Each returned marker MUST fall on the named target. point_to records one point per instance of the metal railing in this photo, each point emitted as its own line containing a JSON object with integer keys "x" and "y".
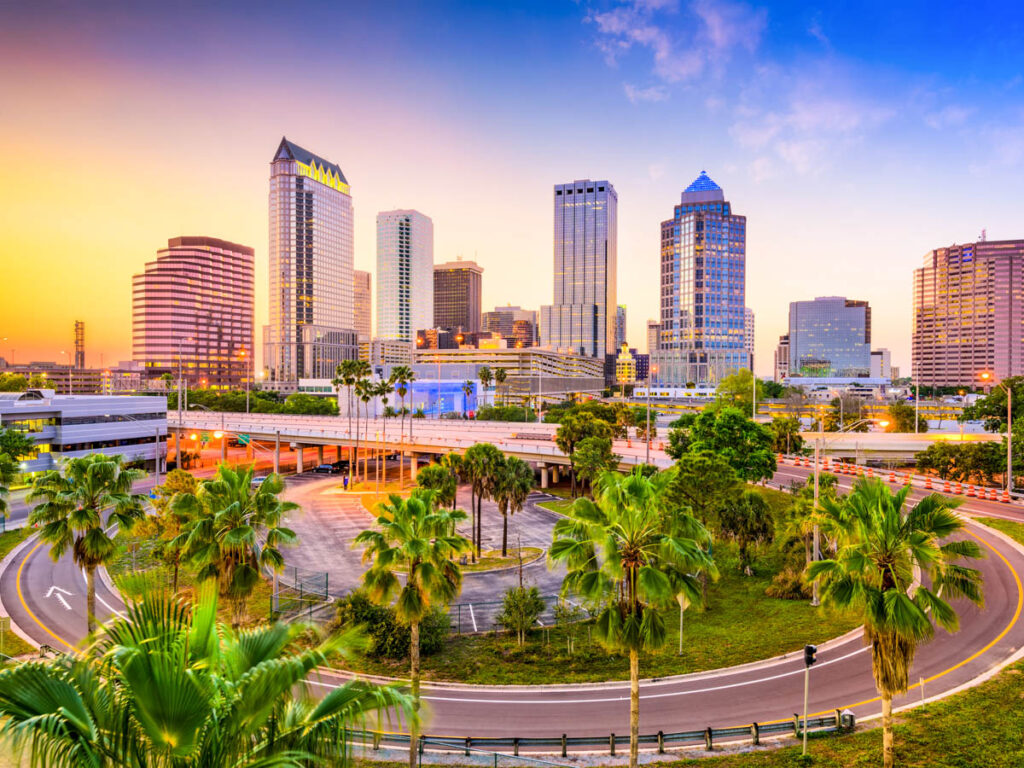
{"x": 836, "y": 721}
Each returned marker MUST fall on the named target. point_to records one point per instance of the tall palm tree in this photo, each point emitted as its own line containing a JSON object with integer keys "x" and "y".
{"x": 403, "y": 376}
{"x": 481, "y": 464}
{"x": 365, "y": 392}
{"x": 454, "y": 464}
{"x": 439, "y": 480}
{"x": 500, "y": 374}
{"x": 383, "y": 390}
{"x": 74, "y": 500}
{"x": 361, "y": 372}
{"x": 8, "y": 471}
{"x": 485, "y": 376}
{"x": 631, "y": 555}
{"x": 467, "y": 390}
{"x": 513, "y": 483}
{"x": 235, "y": 531}
{"x": 166, "y": 685}
{"x": 885, "y": 556}
{"x": 418, "y": 537}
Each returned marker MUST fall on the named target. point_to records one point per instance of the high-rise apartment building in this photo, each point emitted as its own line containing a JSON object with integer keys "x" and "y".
{"x": 581, "y": 319}
{"x": 748, "y": 333}
{"x": 362, "y": 300}
{"x": 703, "y": 288}
{"x": 312, "y": 315}
{"x": 620, "y": 326}
{"x": 829, "y": 337}
{"x": 514, "y": 323}
{"x": 405, "y": 266}
{"x": 80, "y": 345}
{"x": 968, "y": 313}
{"x": 782, "y": 358}
{"x": 192, "y": 313}
{"x": 457, "y": 296}
{"x": 653, "y": 332}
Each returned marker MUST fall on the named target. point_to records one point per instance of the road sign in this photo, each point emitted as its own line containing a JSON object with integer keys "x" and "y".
{"x": 205, "y": 438}
{"x": 244, "y": 439}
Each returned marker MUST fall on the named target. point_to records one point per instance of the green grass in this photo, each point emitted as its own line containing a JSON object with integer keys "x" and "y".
{"x": 741, "y": 624}
{"x": 491, "y": 559}
{"x": 1014, "y": 530}
{"x": 13, "y": 645}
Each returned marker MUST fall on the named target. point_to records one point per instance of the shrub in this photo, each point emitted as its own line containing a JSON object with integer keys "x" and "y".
{"x": 388, "y": 638}
{"x": 520, "y": 610}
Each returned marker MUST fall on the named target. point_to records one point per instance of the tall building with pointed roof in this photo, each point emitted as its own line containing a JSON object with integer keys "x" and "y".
{"x": 312, "y": 315}
{"x": 703, "y": 289}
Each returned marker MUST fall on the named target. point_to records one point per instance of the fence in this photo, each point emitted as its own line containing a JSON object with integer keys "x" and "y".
{"x": 482, "y": 616}
{"x": 299, "y": 592}
{"x": 836, "y": 721}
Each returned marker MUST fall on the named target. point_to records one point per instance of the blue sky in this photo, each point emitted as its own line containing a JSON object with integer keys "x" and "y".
{"x": 854, "y": 137}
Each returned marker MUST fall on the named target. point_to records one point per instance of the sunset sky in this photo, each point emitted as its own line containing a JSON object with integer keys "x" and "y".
{"x": 854, "y": 137}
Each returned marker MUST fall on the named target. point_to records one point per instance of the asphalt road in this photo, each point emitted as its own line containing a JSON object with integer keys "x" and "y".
{"x": 768, "y": 691}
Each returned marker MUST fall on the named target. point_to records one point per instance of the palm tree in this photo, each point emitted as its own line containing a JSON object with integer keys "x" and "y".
{"x": 631, "y": 555}
{"x": 885, "y": 556}
{"x": 467, "y": 390}
{"x": 365, "y": 392}
{"x": 75, "y": 499}
{"x": 480, "y": 466}
{"x": 402, "y": 376}
{"x": 500, "y": 374}
{"x": 439, "y": 480}
{"x": 513, "y": 483}
{"x": 166, "y": 685}
{"x": 454, "y": 464}
{"x": 228, "y": 519}
{"x": 8, "y": 471}
{"x": 359, "y": 372}
{"x": 485, "y": 376}
{"x": 383, "y": 390}
{"x": 418, "y": 537}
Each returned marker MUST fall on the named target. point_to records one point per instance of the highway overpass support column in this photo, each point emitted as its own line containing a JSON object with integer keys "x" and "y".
{"x": 298, "y": 459}
{"x": 543, "y": 475}
{"x": 414, "y": 464}
{"x": 319, "y": 454}
{"x": 554, "y": 473}
{"x": 277, "y": 452}
{"x": 224, "y": 446}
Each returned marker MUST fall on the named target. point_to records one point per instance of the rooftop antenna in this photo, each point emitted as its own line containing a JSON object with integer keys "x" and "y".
{"x": 983, "y": 237}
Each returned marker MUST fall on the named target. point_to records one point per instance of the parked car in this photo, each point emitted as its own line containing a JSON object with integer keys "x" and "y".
{"x": 257, "y": 480}
{"x": 326, "y": 469}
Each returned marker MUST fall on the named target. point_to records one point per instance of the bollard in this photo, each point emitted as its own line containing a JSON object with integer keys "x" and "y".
{"x": 611, "y": 745}
{"x": 707, "y": 739}
{"x": 796, "y": 724}
{"x": 423, "y": 741}
{"x": 469, "y": 744}
{"x": 376, "y": 740}
{"x": 661, "y": 742}
{"x": 755, "y": 734}
{"x": 515, "y": 746}
{"x": 563, "y": 745}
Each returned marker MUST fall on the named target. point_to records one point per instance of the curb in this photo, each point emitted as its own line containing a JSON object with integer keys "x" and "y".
{"x": 7, "y": 561}
{"x": 505, "y": 568}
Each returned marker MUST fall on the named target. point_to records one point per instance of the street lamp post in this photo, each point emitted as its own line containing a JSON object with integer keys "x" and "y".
{"x": 985, "y": 376}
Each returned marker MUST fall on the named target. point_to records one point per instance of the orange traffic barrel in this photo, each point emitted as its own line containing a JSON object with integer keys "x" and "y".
{"x": 892, "y": 477}
{"x": 1006, "y": 497}
{"x": 945, "y": 487}
{"x": 970, "y": 491}
{"x": 928, "y": 482}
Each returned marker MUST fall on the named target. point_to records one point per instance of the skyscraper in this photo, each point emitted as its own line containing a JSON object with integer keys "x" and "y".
{"x": 581, "y": 318}
{"x": 362, "y": 298}
{"x": 192, "y": 312}
{"x": 405, "y": 280}
{"x": 312, "y": 316}
{"x": 830, "y": 337}
{"x": 782, "y": 358}
{"x": 80, "y": 345}
{"x": 457, "y": 296}
{"x": 620, "y": 326}
{"x": 703, "y": 288}
{"x": 653, "y": 332}
{"x": 968, "y": 313}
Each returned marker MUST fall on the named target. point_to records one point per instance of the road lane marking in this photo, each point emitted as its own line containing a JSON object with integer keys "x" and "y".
{"x": 108, "y": 606}
{"x": 472, "y": 616}
{"x": 21, "y": 599}
{"x": 56, "y": 591}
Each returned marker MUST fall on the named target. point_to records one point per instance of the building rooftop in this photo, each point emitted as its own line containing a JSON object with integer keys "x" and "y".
{"x": 703, "y": 183}
{"x": 291, "y": 151}
{"x": 702, "y": 190}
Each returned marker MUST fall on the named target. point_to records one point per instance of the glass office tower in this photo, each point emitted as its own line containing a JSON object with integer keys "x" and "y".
{"x": 405, "y": 274}
{"x": 581, "y": 319}
{"x": 830, "y": 336}
{"x": 312, "y": 318}
{"x": 703, "y": 289}
{"x": 458, "y": 289}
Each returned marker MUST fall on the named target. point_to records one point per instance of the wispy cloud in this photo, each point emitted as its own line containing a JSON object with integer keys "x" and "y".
{"x": 651, "y": 93}
{"x": 951, "y": 116}
{"x": 682, "y": 40}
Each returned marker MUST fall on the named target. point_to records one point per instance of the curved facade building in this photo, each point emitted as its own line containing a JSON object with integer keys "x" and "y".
{"x": 192, "y": 313}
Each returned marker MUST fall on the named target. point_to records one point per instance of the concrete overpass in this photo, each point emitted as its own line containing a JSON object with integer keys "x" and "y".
{"x": 897, "y": 446}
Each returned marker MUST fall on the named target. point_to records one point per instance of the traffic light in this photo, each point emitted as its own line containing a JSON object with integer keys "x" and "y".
{"x": 810, "y": 654}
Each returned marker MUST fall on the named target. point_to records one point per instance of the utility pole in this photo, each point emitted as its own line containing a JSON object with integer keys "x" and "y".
{"x": 810, "y": 656}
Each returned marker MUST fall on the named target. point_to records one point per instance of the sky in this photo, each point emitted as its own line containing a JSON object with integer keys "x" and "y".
{"x": 854, "y": 137}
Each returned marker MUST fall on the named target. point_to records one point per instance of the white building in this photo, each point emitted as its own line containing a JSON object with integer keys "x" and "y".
{"x": 67, "y": 426}
{"x": 748, "y": 333}
{"x": 405, "y": 274}
{"x": 312, "y": 316}
{"x": 881, "y": 364}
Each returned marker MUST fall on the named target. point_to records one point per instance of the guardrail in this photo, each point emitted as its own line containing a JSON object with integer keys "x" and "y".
{"x": 837, "y": 721}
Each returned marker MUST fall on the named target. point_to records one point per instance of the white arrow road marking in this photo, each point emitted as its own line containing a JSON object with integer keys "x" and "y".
{"x": 56, "y": 591}
{"x": 108, "y": 606}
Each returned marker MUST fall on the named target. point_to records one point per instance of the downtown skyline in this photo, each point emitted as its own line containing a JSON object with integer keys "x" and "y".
{"x": 850, "y": 165}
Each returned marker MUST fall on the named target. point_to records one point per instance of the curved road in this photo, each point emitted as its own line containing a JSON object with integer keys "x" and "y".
{"x": 764, "y": 692}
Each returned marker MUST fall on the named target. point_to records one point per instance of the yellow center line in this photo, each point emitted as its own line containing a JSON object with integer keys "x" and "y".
{"x": 28, "y": 610}
{"x": 969, "y": 659}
